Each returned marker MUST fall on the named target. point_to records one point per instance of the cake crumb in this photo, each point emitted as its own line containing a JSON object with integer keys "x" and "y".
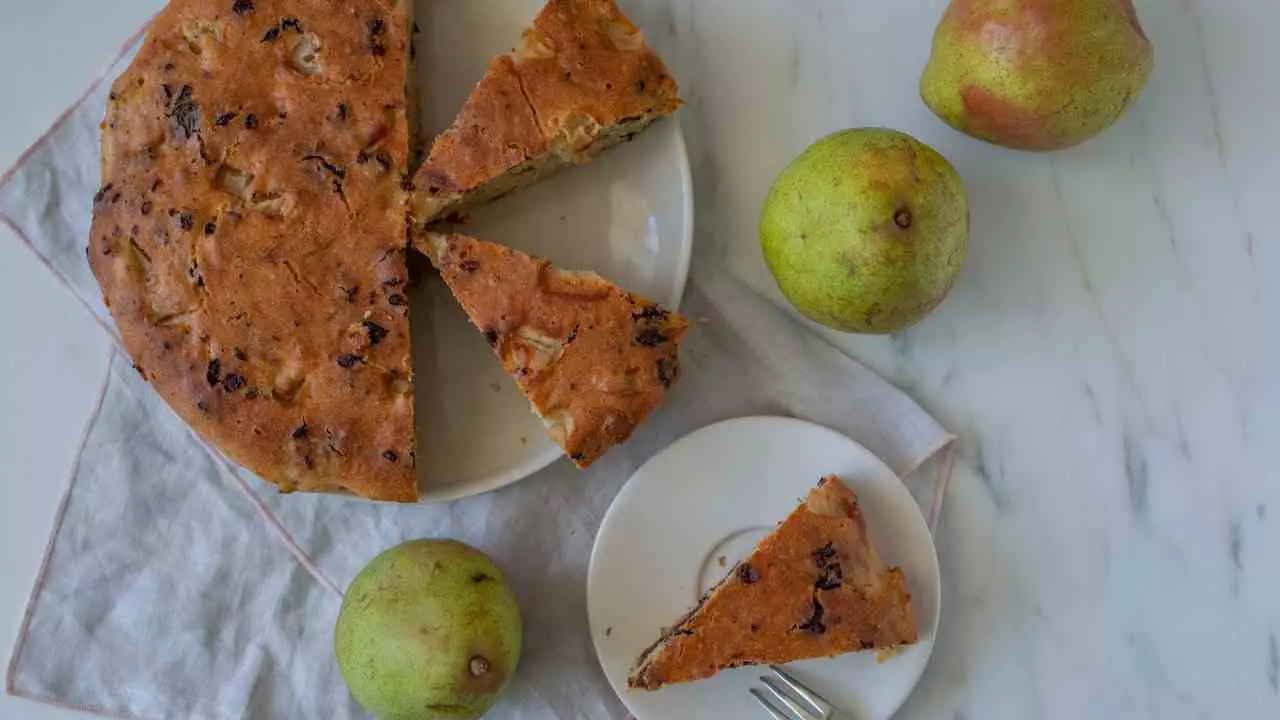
{"x": 885, "y": 654}
{"x": 721, "y": 560}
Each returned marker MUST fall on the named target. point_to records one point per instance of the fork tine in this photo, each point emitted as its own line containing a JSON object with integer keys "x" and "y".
{"x": 777, "y": 713}
{"x": 817, "y": 704}
{"x": 781, "y": 696}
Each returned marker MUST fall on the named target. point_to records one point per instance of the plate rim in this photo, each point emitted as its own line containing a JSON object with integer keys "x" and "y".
{"x": 540, "y": 461}
{"x": 610, "y": 515}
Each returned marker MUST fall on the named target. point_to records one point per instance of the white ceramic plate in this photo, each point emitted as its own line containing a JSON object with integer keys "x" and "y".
{"x": 628, "y": 216}
{"x": 715, "y": 494}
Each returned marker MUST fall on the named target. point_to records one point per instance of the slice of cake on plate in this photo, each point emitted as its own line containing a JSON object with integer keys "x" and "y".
{"x": 812, "y": 588}
{"x": 593, "y": 359}
{"x": 249, "y": 234}
{"x": 581, "y": 81}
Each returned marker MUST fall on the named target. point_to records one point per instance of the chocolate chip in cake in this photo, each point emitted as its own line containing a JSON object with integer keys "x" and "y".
{"x": 376, "y": 29}
{"x": 291, "y": 23}
{"x": 748, "y": 574}
{"x": 469, "y": 266}
{"x": 384, "y": 160}
{"x": 349, "y": 361}
{"x": 147, "y": 205}
{"x": 251, "y": 122}
{"x": 640, "y": 86}
{"x": 650, "y": 338}
{"x": 650, "y": 312}
{"x": 214, "y": 372}
{"x": 573, "y": 334}
{"x": 210, "y": 228}
{"x": 823, "y": 555}
{"x": 301, "y": 432}
{"x": 233, "y": 382}
{"x": 242, "y": 7}
{"x": 390, "y": 455}
{"x": 814, "y": 623}
{"x": 183, "y": 112}
{"x": 202, "y": 406}
{"x": 225, "y": 118}
{"x": 397, "y": 299}
{"x": 377, "y": 333}
{"x": 491, "y": 337}
{"x": 272, "y": 33}
{"x": 578, "y": 457}
{"x": 102, "y": 192}
{"x": 830, "y": 578}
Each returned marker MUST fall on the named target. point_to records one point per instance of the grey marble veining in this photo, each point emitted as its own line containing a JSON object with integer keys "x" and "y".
{"x": 1109, "y": 356}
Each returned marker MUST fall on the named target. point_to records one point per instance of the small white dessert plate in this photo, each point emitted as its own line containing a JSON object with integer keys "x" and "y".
{"x": 698, "y": 507}
{"x": 628, "y": 216}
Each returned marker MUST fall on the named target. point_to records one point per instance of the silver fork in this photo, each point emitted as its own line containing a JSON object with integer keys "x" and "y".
{"x": 785, "y": 698}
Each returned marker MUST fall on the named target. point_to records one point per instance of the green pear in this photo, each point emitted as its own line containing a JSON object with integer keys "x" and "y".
{"x": 866, "y": 230}
{"x": 428, "y": 630}
{"x": 1036, "y": 74}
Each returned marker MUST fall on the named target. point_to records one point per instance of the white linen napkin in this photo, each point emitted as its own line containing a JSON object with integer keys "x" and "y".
{"x": 178, "y": 585}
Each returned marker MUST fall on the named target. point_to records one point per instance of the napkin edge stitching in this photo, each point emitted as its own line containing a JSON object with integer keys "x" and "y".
{"x": 25, "y": 241}
{"x": 19, "y": 645}
{"x": 66, "y": 114}
{"x": 282, "y": 533}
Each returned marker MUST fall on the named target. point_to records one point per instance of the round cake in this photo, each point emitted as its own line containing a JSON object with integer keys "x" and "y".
{"x": 249, "y": 234}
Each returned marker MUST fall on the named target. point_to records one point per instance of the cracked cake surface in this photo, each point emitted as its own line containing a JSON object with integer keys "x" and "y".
{"x": 593, "y": 359}
{"x": 249, "y": 234}
{"x": 581, "y": 80}
{"x": 812, "y": 588}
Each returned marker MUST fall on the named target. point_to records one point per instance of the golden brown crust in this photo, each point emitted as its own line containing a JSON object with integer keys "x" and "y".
{"x": 581, "y": 81}
{"x": 249, "y": 234}
{"x": 494, "y": 132}
{"x": 813, "y": 588}
{"x": 593, "y": 360}
{"x": 583, "y": 63}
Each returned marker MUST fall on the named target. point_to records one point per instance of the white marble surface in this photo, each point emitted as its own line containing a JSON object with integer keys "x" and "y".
{"x": 1110, "y": 355}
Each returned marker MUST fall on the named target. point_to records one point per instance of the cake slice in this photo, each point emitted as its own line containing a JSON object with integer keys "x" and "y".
{"x": 593, "y": 359}
{"x": 582, "y": 80}
{"x": 813, "y": 588}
